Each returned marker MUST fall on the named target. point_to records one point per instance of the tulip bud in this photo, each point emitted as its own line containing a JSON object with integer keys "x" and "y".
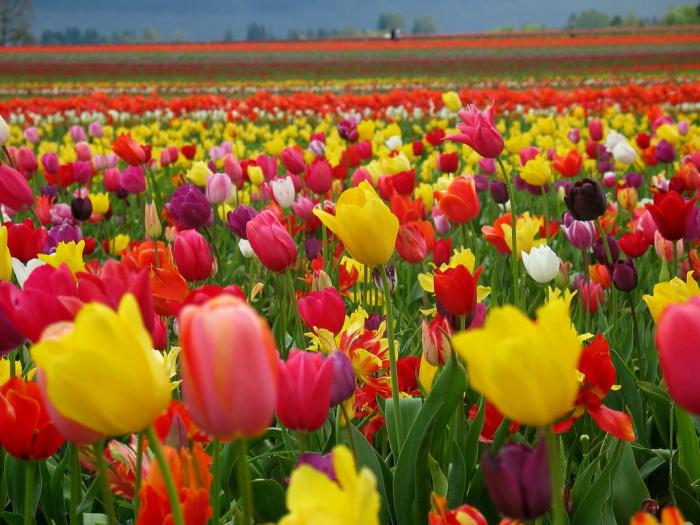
{"x": 77, "y": 133}
{"x": 624, "y": 275}
{"x": 595, "y": 130}
{"x": 343, "y": 385}
{"x": 518, "y": 480}
{"x": 153, "y": 226}
{"x": 499, "y": 192}
{"x": 246, "y": 249}
{"x": 50, "y": 162}
{"x": 293, "y": 160}
{"x": 237, "y": 219}
{"x": 26, "y": 160}
{"x": 435, "y": 339}
{"x": 581, "y": 234}
{"x": 4, "y": 131}
{"x": 192, "y": 255}
{"x": 133, "y": 179}
{"x": 83, "y": 151}
{"x": 390, "y": 272}
{"x": 15, "y": 193}
{"x": 320, "y": 281}
{"x": 319, "y": 177}
{"x": 574, "y": 135}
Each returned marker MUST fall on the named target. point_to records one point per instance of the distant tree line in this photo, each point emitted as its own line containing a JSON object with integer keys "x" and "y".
{"x": 676, "y": 15}
{"x": 76, "y": 36}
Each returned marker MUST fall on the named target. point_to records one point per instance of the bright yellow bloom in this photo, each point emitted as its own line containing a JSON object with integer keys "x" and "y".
{"x": 5, "y": 256}
{"x": 119, "y": 243}
{"x": 102, "y": 372}
{"x": 527, "y": 227}
{"x": 671, "y": 292}
{"x": 364, "y": 224}
{"x": 5, "y": 370}
{"x": 536, "y": 172}
{"x": 68, "y": 253}
{"x": 668, "y": 133}
{"x": 198, "y": 173}
{"x": 452, "y": 101}
{"x": 255, "y": 174}
{"x": 314, "y": 499}
{"x": 365, "y": 129}
{"x": 100, "y": 203}
{"x": 527, "y": 369}
{"x": 426, "y": 374}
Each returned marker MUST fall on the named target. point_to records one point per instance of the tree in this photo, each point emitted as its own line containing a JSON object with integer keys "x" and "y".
{"x": 149, "y": 35}
{"x": 256, "y": 32}
{"x": 589, "y": 19}
{"x": 681, "y": 15}
{"x": 15, "y": 21}
{"x": 424, "y": 25}
{"x": 389, "y": 21}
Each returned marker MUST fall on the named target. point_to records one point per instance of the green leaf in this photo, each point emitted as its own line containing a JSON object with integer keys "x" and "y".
{"x": 688, "y": 445}
{"x": 596, "y": 506}
{"x": 683, "y": 492}
{"x": 410, "y": 407}
{"x": 457, "y": 477}
{"x": 269, "y": 500}
{"x": 15, "y": 472}
{"x": 437, "y": 476}
{"x": 12, "y": 518}
{"x": 411, "y": 493}
{"x": 472, "y": 443}
{"x": 629, "y": 489}
{"x": 52, "y": 497}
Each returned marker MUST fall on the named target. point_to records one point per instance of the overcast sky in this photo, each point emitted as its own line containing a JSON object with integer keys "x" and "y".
{"x": 208, "y": 19}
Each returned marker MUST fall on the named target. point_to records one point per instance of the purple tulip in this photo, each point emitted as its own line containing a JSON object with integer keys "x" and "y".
{"x": 322, "y": 463}
{"x": 10, "y": 336}
{"x": 624, "y": 275}
{"x": 518, "y": 480}
{"x": 665, "y": 152}
{"x": 580, "y": 234}
{"x": 237, "y": 220}
{"x": 499, "y": 192}
{"x": 66, "y": 232}
{"x": 312, "y": 247}
{"x": 634, "y": 180}
{"x": 343, "y": 385}
{"x": 481, "y": 183}
{"x": 190, "y": 208}
{"x": 374, "y": 321}
{"x": 599, "y": 250}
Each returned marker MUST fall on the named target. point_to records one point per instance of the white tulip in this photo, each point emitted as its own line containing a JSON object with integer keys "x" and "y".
{"x": 394, "y": 142}
{"x": 23, "y": 271}
{"x": 4, "y": 131}
{"x": 246, "y": 248}
{"x": 613, "y": 139}
{"x": 283, "y": 190}
{"x": 542, "y": 264}
{"x": 624, "y": 153}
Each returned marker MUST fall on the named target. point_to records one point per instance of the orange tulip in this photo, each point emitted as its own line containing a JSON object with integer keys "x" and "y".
{"x": 460, "y": 203}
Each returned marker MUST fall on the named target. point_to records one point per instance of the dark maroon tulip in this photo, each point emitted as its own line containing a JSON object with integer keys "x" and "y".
{"x": 518, "y": 480}
{"x": 599, "y": 250}
{"x": 81, "y": 208}
{"x": 238, "y": 218}
{"x": 586, "y": 200}
{"x": 498, "y": 191}
{"x": 624, "y": 275}
{"x": 190, "y": 207}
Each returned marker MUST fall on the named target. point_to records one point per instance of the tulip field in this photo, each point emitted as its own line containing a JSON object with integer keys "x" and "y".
{"x": 443, "y": 281}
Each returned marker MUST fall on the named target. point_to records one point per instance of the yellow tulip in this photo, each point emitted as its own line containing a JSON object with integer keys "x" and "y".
{"x": 671, "y": 292}
{"x": 5, "y": 257}
{"x": 364, "y": 224}
{"x": 536, "y": 172}
{"x": 119, "y": 243}
{"x": 198, "y": 173}
{"x": 255, "y": 174}
{"x": 102, "y": 372}
{"x": 668, "y": 133}
{"x": 452, "y": 101}
{"x": 313, "y": 498}
{"x": 68, "y": 253}
{"x": 365, "y": 129}
{"x": 527, "y": 369}
{"x": 526, "y": 227}
{"x": 100, "y": 203}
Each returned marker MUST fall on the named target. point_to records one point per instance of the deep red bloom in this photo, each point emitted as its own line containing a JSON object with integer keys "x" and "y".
{"x": 634, "y": 244}
{"x": 26, "y": 431}
{"x": 189, "y": 151}
{"x": 24, "y": 240}
{"x": 404, "y": 182}
{"x": 435, "y": 136}
{"x": 599, "y": 377}
{"x": 442, "y": 251}
{"x": 455, "y": 288}
{"x": 448, "y": 162}
{"x": 671, "y": 213}
{"x": 129, "y": 150}
{"x": 323, "y": 309}
{"x": 492, "y": 420}
{"x": 177, "y": 420}
{"x": 418, "y": 148}
{"x": 407, "y": 369}
{"x": 643, "y": 140}
{"x": 591, "y": 295}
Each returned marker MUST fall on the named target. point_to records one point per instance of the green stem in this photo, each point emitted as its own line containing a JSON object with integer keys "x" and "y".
{"x": 216, "y": 482}
{"x": 545, "y": 196}
{"x": 675, "y": 258}
{"x": 558, "y": 511}
{"x": 137, "y": 474}
{"x": 302, "y": 437}
{"x": 295, "y": 313}
{"x": 392, "y": 357}
{"x": 636, "y": 337}
{"x": 28, "y": 492}
{"x": 13, "y": 363}
{"x": 75, "y": 486}
{"x": 604, "y": 237}
{"x": 324, "y": 249}
{"x": 513, "y": 234}
{"x": 670, "y": 453}
{"x": 107, "y": 498}
{"x": 9, "y": 157}
{"x": 173, "y": 496}
{"x": 244, "y": 484}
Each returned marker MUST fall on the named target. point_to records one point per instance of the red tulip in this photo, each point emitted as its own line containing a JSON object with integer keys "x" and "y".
{"x": 15, "y": 193}
{"x": 189, "y": 151}
{"x": 192, "y": 255}
{"x": 404, "y": 182}
{"x": 634, "y": 244}
{"x": 129, "y": 150}
{"x": 24, "y": 241}
{"x": 319, "y": 177}
{"x": 271, "y": 242}
{"x": 448, "y": 162}
{"x": 671, "y": 214}
{"x": 677, "y": 335}
{"x": 304, "y": 390}
{"x": 26, "y": 430}
{"x": 455, "y": 289}
{"x": 460, "y": 203}
{"x": 415, "y": 240}
{"x": 442, "y": 251}
{"x": 568, "y": 166}
{"x": 293, "y": 160}
{"x": 323, "y": 309}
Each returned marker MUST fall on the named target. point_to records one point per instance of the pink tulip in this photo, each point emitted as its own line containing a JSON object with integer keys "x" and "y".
{"x": 233, "y": 169}
{"x": 112, "y": 180}
{"x": 527, "y": 154}
{"x": 50, "y": 162}
{"x": 26, "y": 160}
{"x": 595, "y": 130}
{"x": 15, "y": 193}
{"x": 319, "y": 176}
{"x": 133, "y": 179}
{"x": 31, "y": 135}
{"x": 679, "y": 354}
{"x": 479, "y": 132}
{"x": 192, "y": 255}
{"x": 218, "y": 187}
{"x": 229, "y": 367}
{"x": 360, "y": 175}
{"x": 293, "y": 160}
{"x": 83, "y": 151}
{"x": 304, "y": 394}
{"x": 271, "y": 242}
{"x": 323, "y": 309}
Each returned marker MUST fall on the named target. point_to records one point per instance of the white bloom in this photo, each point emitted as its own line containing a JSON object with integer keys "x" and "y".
{"x": 246, "y": 248}
{"x": 394, "y": 142}
{"x": 624, "y": 153}
{"x": 283, "y": 190}
{"x": 542, "y": 264}
{"x": 4, "y": 131}
{"x": 23, "y": 271}
{"x": 613, "y": 139}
